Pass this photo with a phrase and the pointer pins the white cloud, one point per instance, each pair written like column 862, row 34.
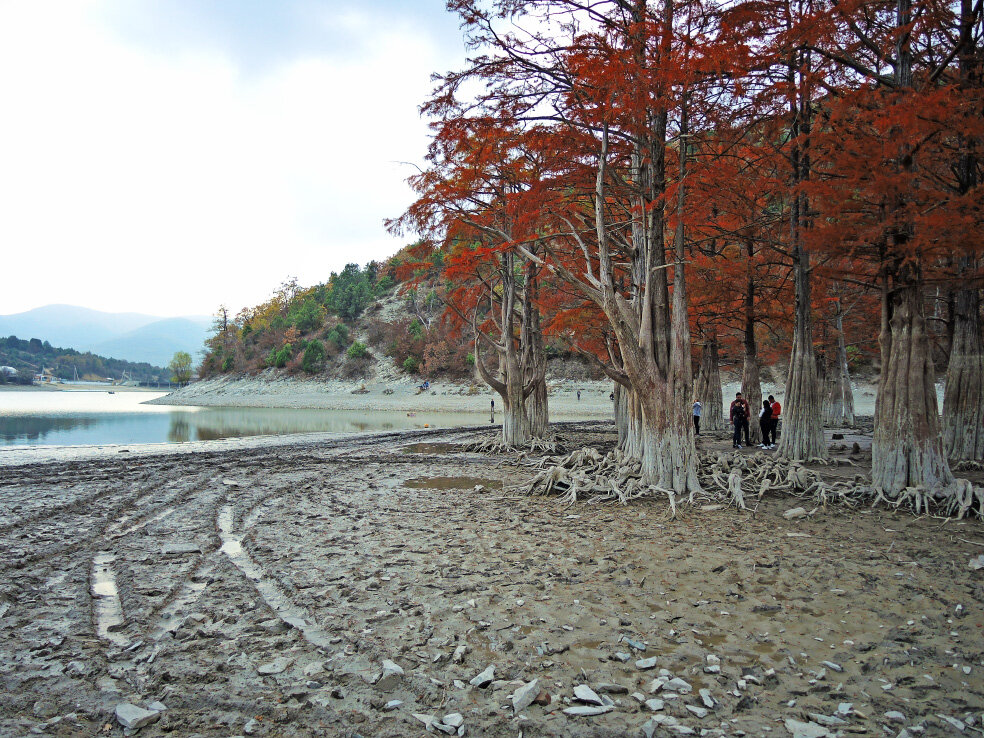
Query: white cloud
column 171, row 183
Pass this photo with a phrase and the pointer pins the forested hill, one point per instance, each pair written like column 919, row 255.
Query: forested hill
column 33, row 355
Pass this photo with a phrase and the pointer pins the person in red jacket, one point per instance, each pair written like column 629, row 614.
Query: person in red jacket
column 774, row 424
column 738, row 414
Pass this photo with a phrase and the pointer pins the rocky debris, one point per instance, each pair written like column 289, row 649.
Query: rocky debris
column 795, row 513
column 895, row 716
column 700, row 712
column 654, row 704
column 707, row 699
column 609, row 688
column 483, row 679
column 631, row 643
column 525, row 696
column 391, row 705
column 584, row 693
column 588, row 710
column 805, row 730
column 180, row 549
column 669, row 723
column 459, row 653
column 977, row 563
column 646, row 664
column 451, row 724
column 135, row 718
column 390, row 677
column 277, row 666
column 832, row 666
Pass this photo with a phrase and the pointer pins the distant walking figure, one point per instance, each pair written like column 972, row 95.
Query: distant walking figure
column 492, row 412
column 579, row 395
column 739, row 418
column 698, row 408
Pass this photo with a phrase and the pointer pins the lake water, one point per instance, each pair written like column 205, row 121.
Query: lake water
column 97, row 417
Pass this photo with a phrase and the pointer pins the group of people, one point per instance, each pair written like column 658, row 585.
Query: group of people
column 739, row 415
column 768, row 418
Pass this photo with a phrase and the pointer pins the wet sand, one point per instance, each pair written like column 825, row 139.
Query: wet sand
column 257, row 590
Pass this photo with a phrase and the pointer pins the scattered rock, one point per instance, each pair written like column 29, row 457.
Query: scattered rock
column 588, row 710
column 805, row 730
column 543, row 699
column 707, row 699
column 646, row 664
column 459, row 654
column 795, row 513
column 391, row 676
column 525, row 696
column 700, row 712
column 180, row 549
column 608, row 688
column 832, row 666
column 391, row 705
column 485, row 678
column 977, row 563
column 584, row 693
column 895, row 715
column 654, row 704
column 277, row 666
column 133, row 717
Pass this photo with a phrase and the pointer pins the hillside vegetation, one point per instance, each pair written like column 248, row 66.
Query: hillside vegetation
column 31, row 356
column 340, row 327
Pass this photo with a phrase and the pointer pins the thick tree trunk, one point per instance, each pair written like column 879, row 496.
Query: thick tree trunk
column 839, row 399
column 907, row 448
column 802, row 433
column 708, row 386
column 534, row 358
column 963, row 401
column 751, row 383
column 621, row 410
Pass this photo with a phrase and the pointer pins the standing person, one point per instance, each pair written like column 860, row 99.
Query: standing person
column 739, row 418
column 579, row 395
column 774, row 425
column 698, row 408
column 765, row 423
column 492, row 412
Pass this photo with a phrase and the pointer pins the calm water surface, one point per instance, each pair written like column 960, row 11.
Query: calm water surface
column 97, row 417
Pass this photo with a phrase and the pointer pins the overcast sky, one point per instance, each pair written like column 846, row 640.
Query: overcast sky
column 167, row 156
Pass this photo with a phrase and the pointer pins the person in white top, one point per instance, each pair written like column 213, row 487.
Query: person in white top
column 698, row 408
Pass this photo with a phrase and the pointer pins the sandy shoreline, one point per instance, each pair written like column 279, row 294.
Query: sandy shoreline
column 400, row 393
column 260, row 590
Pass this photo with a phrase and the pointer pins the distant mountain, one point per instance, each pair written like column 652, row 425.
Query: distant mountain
column 130, row 336
column 156, row 342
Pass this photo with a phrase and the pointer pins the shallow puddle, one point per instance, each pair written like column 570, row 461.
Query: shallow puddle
column 430, row 448
column 106, row 599
column 451, row 483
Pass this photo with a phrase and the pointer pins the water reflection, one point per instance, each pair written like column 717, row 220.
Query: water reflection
column 70, row 428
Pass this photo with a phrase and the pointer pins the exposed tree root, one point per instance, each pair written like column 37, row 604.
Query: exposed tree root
column 587, row 475
column 496, row 445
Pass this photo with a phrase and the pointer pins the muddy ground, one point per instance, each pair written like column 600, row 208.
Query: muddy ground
column 258, row 591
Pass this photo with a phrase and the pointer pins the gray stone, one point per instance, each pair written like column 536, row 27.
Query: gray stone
column 584, row 693
column 392, row 705
column 157, row 706
column 828, row 721
column 700, row 712
column 133, row 717
column 180, row 549
column 588, row 710
column 705, row 696
column 485, row 678
column 895, row 715
column 637, row 645
column 454, row 719
column 391, row 676
column 794, row 514
column 277, row 666
column 429, row 721
column 654, row 704
column 250, row 727
column 459, row 654
column 623, row 657
column 646, row 664
column 805, row 730
column 679, row 685
column 844, row 708
column 524, row 696
column 608, row 688
column 832, row 666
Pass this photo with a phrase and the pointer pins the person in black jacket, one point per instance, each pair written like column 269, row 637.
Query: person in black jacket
column 739, row 418
column 765, row 423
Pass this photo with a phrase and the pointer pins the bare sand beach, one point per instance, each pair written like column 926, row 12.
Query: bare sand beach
column 399, row 585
